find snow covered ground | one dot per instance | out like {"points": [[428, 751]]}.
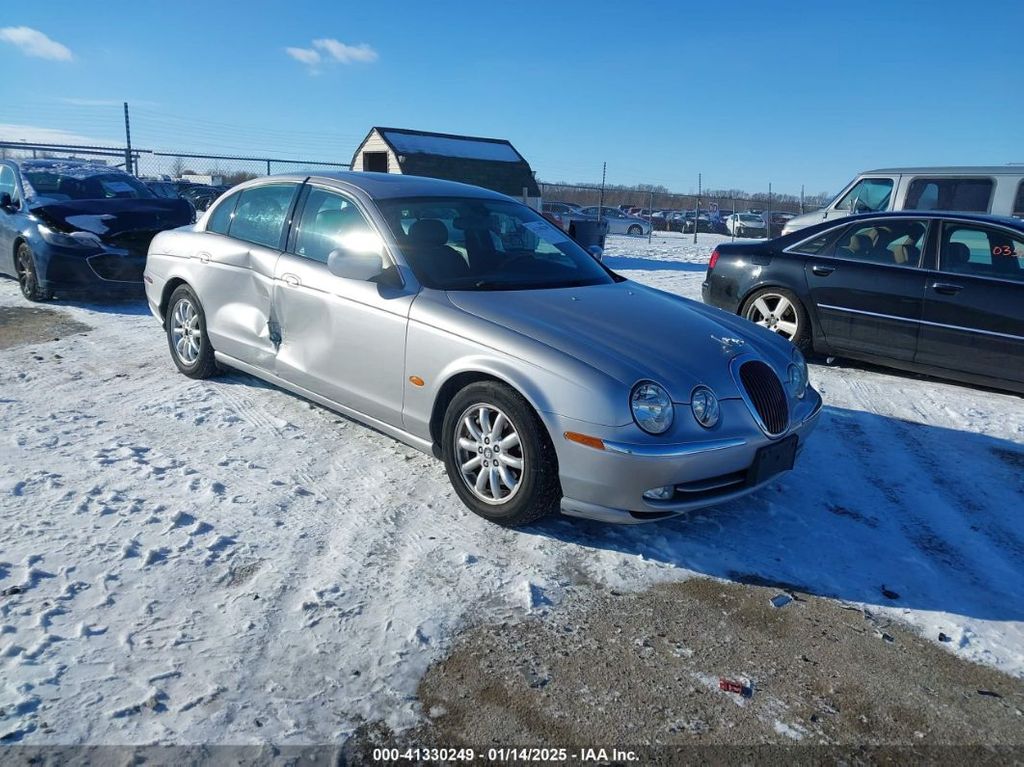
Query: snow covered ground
{"points": [[219, 561]]}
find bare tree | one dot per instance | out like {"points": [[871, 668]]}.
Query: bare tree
{"points": [[177, 167]]}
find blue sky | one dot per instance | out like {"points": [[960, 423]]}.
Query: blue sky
{"points": [[795, 93]]}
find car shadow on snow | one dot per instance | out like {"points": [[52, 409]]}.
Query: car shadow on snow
{"points": [[126, 306], [615, 263], [877, 510]]}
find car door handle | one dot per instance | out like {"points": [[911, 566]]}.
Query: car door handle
{"points": [[822, 270], [946, 288], [290, 280]]}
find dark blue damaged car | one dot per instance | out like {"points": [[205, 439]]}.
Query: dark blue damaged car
{"points": [[78, 229]]}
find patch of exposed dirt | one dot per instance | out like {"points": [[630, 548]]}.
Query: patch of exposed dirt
{"points": [[644, 669], [33, 324]]}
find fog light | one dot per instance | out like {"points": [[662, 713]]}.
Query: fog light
{"points": [[660, 493]]}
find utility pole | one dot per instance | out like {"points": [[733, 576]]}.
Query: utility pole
{"points": [[696, 213], [801, 199], [600, 203], [768, 223], [127, 141]]}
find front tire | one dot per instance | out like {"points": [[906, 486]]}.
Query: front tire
{"points": [[28, 276], [190, 346], [634, 230], [780, 311], [498, 455]]}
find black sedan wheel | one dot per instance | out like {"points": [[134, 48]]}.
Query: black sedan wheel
{"points": [[781, 312], [498, 455], [28, 277]]}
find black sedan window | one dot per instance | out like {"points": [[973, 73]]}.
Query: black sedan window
{"points": [[85, 184], [982, 252], [894, 242]]}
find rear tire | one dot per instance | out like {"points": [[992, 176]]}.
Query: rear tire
{"points": [[185, 324], [498, 455], [28, 275], [635, 230], [780, 311]]}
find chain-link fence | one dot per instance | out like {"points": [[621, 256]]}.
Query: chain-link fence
{"points": [[217, 170], [645, 199], [190, 166]]}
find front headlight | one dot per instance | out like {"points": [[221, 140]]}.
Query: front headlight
{"points": [[704, 405], [797, 375], [652, 407], [70, 239]]}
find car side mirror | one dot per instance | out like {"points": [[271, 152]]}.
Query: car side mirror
{"points": [[596, 251], [353, 265], [6, 203]]}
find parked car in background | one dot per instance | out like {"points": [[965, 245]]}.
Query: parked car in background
{"points": [[746, 225], [777, 221], [935, 292], [508, 351], [562, 214], [166, 190], [73, 228], [200, 196], [620, 223], [699, 221], [997, 189]]}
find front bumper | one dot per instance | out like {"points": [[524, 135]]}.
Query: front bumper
{"points": [[109, 272], [608, 485]]}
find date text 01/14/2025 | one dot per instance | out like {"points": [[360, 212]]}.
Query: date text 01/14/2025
{"points": [[504, 754]]}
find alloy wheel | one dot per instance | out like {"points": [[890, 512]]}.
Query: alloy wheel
{"points": [[775, 312], [187, 335], [489, 454], [26, 273]]}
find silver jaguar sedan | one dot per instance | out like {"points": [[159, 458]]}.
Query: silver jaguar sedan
{"points": [[464, 324]]}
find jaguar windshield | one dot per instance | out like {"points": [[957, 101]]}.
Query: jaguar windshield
{"points": [[482, 244]]}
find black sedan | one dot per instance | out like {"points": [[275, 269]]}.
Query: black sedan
{"points": [[69, 227], [932, 292]]}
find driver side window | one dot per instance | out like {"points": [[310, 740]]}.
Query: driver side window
{"points": [[868, 195], [8, 183], [331, 222]]}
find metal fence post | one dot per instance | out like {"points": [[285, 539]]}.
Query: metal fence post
{"points": [[650, 218]]}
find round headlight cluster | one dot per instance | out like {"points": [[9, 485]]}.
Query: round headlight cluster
{"points": [[652, 407], [704, 405], [797, 375]]}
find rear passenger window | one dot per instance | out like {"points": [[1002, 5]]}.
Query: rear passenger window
{"points": [[893, 242], [220, 219], [818, 245], [261, 214], [981, 252], [971, 195]]}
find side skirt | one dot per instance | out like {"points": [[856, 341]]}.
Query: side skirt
{"points": [[423, 445]]}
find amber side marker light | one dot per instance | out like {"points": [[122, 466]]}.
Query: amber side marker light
{"points": [[583, 439], [416, 380]]}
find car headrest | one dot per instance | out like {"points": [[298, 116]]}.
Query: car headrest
{"points": [[904, 253], [428, 232], [859, 242], [330, 221], [956, 254]]}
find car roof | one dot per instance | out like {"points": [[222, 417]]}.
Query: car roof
{"points": [[896, 214], [391, 185], [55, 162], [959, 170]]}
